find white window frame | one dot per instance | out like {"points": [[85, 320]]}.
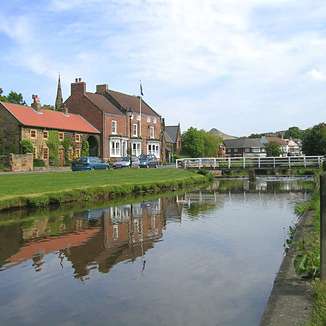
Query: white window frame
{"points": [[114, 127], [61, 133], [77, 138], [136, 149], [151, 132], [134, 130], [115, 232], [153, 148], [30, 133], [115, 148]]}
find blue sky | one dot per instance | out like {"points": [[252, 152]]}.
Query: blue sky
{"points": [[240, 66]]}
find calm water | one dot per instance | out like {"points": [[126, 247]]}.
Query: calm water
{"points": [[202, 258]]}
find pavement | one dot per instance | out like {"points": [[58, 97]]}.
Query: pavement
{"points": [[290, 303]]}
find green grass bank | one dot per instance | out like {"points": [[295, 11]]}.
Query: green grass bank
{"points": [[307, 261], [45, 189]]}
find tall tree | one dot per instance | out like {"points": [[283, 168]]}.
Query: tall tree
{"points": [[273, 149], [294, 133], [314, 140]]}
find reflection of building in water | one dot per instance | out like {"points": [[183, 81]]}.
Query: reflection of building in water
{"points": [[96, 238]]}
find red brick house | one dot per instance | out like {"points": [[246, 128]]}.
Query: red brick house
{"points": [[20, 122], [117, 116]]}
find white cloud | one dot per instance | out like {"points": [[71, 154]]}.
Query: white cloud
{"points": [[317, 75]]}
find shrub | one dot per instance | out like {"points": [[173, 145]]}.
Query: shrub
{"points": [[37, 163], [85, 148], [53, 144], [26, 146]]}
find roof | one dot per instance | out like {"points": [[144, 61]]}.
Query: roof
{"points": [[172, 132], [102, 103], [277, 140], [167, 137], [132, 101], [50, 119], [243, 143]]}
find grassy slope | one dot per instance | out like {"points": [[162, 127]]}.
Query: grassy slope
{"points": [[19, 189]]}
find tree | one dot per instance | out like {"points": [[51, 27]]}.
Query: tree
{"points": [[85, 148], [26, 146], [314, 140], [53, 145], [255, 136], [294, 133], [273, 149], [12, 97], [199, 143]]}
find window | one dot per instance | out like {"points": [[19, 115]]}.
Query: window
{"points": [[136, 149], [33, 133], [151, 132], [247, 150], [114, 127], [45, 153], [115, 232], [228, 150], [134, 130], [61, 136], [148, 119], [45, 134], [154, 120], [235, 150], [115, 148], [77, 138], [256, 150], [34, 152], [153, 148], [77, 153]]}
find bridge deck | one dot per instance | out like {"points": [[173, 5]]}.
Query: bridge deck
{"points": [[223, 163]]}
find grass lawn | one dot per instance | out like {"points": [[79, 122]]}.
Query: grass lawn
{"points": [[55, 186]]}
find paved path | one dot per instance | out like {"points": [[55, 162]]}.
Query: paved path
{"points": [[290, 303], [64, 169]]}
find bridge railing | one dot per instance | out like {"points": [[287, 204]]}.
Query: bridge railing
{"points": [[249, 162]]}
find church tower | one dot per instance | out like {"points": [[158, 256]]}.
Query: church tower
{"points": [[59, 99]]}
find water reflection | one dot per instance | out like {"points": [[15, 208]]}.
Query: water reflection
{"points": [[189, 244]]}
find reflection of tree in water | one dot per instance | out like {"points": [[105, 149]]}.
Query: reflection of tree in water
{"points": [[196, 209]]}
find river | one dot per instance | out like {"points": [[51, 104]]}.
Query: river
{"points": [[199, 258]]}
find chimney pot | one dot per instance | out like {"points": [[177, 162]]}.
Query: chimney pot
{"points": [[78, 87]]}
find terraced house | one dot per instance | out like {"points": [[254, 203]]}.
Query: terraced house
{"points": [[19, 122], [127, 123]]}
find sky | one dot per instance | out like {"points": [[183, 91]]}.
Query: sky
{"points": [[241, 66]]}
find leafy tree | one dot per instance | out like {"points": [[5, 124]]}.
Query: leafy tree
{"points": [[314, 140], [14, 97], [273, 149], [255, 136], [294, 133], [53, 145], [85, 148], [199, 143], [66, 145], [26, 146]]}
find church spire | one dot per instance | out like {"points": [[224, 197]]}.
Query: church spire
{"points": [[59, 99]]}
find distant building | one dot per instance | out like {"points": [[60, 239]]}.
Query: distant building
{"points": [[172, 135], [244, 147], [20, 122], [288, 146]]}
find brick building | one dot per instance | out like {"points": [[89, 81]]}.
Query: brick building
{"points": [[127, 123], [20, 122]]}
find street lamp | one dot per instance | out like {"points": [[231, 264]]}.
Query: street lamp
{"points": [[129, 114]]}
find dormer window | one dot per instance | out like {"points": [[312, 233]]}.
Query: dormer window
{"points": [[114, 127]]}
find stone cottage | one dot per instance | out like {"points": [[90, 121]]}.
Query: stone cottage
{"points": [[20, 122]]}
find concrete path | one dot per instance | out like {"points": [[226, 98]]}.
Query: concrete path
{"points": [[290, 303]]}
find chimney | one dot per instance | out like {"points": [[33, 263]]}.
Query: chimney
{"points": [[36, 105], [78, 87], [65, 109], [102, 89]]}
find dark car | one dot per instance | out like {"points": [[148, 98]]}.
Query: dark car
{"points": [[89, 163], [148, 161], [124, 162]]}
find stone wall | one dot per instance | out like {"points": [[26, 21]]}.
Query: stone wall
{"points": [[21, 162]]}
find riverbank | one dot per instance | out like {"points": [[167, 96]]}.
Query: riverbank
{"points": [[46, 189]]}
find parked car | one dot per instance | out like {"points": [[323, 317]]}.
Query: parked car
{"points": [[148, 161], [89, 163], [124, 162]]}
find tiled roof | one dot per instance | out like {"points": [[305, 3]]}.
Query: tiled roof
{"points": [[172, 131], [48, 118], [102, 103], [277, 140], [243, 143], [131, 101]]}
